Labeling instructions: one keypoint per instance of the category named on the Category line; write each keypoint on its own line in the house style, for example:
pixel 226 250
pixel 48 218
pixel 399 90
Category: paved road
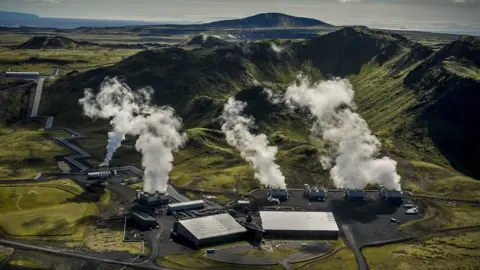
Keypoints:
pixel 38 97
pixel 361 262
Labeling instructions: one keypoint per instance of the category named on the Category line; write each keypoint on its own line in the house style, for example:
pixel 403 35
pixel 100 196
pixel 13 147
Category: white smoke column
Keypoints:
pixel 132 113
pixel 253 148
pixel 271 96
pixel 276 48
pixel 355 147
pixel 159 137
pixel 116 101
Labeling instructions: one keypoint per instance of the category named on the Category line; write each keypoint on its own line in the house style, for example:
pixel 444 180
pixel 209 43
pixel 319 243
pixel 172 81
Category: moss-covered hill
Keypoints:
pixel 50 42
pixel 416 101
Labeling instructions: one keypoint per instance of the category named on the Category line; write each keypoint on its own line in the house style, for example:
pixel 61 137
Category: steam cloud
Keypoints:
pixel 276 48
pixel 132 113
pixel 351 148
pixel 253 148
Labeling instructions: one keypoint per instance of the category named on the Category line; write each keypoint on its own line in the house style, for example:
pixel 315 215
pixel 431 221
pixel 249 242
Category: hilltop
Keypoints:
pixel 412 97
pixel 267 20
pixel 50 42
pixel 206 41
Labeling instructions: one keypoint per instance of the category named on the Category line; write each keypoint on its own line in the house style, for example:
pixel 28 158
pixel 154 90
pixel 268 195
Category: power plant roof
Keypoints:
pixel 212 226
pixel 298 221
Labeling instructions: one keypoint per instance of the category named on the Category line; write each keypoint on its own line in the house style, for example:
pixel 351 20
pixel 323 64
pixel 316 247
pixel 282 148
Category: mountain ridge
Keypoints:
pixel 197 82
pixel 271 19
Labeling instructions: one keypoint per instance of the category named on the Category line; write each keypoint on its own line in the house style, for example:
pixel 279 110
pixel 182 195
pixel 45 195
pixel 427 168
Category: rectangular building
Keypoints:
pixel 144 220
pixel 310 225
pixel 185 206
pixel 211 230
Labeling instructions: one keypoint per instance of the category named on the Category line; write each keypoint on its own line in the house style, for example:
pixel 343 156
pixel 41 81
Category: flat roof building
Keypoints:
pixel 185 206
pixel 144 220
pixel 299 224
pixel 210 230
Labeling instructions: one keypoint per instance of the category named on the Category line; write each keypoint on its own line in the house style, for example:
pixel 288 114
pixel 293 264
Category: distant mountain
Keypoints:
pixel 5 15
pixel 268 20
pixel 44 42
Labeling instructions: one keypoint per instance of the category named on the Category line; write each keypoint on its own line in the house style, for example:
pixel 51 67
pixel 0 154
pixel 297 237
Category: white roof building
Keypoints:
pixel 299 224
pixel 211 229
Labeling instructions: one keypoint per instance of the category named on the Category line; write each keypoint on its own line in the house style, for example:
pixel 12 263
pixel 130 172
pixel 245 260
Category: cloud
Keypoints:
pixel 348 1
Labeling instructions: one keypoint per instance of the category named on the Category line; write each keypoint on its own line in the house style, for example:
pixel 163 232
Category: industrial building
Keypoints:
pixel 102 174
pixel 144 220
pixel 210 230
pixel 185 206
pixel 314 193
pixel 152 200
pixel 355 195
pixel 391 196
pixel 280 194
pixel 309 225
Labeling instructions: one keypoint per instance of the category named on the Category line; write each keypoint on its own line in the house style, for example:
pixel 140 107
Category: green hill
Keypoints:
pixel 416 101
pixel 49 42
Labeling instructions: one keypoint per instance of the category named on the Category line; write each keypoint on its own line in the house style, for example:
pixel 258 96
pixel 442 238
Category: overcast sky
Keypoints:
pixel 374 13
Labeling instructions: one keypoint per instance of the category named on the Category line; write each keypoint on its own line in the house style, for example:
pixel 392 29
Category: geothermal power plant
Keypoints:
pixel 273 211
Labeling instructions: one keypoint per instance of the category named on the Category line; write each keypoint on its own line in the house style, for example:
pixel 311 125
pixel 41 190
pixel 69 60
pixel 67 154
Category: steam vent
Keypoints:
pixel 355 195
pixel 391 196
pixel 314 193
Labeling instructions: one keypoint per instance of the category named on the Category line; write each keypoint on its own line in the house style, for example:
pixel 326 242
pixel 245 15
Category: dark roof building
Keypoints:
pixel 355 195
pixel 144 220
pixel 152 199
pixel 280 194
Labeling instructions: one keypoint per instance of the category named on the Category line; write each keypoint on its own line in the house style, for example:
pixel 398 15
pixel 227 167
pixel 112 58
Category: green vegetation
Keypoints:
pixel 34 260
pixel 27 152
pixel 440 215
pixel 5 252
pixel 197 261
pixel 44 61
pixel 102 239
pixel 455 251
pixel 340 258
pixel 64 222
pixel 277 253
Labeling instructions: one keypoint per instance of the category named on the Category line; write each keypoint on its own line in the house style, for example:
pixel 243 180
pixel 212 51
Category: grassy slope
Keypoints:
pixel 27 152
pixel 196 261
pixel 459 251
pixel 341 258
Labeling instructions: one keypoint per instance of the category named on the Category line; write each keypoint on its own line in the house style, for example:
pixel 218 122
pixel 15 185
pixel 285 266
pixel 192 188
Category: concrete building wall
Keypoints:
pixel 301 234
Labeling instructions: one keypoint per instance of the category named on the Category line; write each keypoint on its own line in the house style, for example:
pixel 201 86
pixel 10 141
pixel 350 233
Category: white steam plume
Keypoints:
pixel 271 96
pixel 276 48
pixel 253 148
pixel 132 113
pixel 354 146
